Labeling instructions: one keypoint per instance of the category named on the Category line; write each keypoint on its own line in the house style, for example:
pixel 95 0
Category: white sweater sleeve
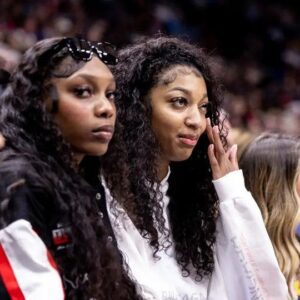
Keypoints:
pixel 244 251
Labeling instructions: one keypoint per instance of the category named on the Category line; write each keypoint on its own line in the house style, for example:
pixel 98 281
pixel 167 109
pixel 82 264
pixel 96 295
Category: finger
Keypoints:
pixel 213 160
pixel 233 157
pixel 217 141
pixel 209 130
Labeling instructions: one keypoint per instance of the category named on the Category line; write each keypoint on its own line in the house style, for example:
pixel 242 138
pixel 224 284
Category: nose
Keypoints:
pixel 104 108
pixel 194 118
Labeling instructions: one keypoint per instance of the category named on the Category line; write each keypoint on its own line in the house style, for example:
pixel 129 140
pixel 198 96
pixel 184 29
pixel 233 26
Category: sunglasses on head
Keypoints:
pixel 83 50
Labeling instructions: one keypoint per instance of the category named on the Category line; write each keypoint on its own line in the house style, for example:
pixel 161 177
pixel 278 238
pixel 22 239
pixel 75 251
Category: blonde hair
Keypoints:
pixel 271 166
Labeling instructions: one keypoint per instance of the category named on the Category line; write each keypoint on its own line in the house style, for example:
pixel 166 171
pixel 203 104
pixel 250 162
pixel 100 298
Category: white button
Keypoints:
pixel 98 196
pixel 109 238
pixel 100 214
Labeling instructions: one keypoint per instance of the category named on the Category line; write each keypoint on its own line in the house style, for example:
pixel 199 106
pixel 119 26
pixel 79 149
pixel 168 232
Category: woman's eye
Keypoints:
pixel 179 102
pixel 111 96
pixel 205 108
pixel 83 92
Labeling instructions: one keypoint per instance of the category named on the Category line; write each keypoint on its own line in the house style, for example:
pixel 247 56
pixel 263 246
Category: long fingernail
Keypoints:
pixel 208 121
pixel 234 147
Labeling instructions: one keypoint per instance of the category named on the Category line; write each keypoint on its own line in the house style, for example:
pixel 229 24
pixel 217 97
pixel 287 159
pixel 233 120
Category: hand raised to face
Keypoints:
pixel 2 142
pixel 222 162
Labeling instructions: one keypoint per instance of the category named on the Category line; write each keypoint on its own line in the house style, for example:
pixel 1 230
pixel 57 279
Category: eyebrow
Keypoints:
pixel 187 92
pixel 90 77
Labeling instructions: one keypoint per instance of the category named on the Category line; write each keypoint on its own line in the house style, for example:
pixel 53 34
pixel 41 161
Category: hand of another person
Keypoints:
pixel 2 142
pixel 222 162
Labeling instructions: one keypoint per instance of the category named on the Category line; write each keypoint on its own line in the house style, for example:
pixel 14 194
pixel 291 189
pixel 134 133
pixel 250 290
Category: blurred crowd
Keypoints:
pixel 256 44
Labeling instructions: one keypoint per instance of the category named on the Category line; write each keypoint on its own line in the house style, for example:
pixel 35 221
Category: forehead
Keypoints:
pixel 186 79
pixel 95 67
pixel 69 68
pixel 168 76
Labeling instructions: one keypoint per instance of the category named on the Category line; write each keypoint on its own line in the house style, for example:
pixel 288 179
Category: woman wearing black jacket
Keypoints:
pixel 57 116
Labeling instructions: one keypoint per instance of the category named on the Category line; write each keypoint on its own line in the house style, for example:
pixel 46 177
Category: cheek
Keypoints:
pixel 72 116
pixel 114 117
pixel 164 127
pixel 75 110
pixel 72 122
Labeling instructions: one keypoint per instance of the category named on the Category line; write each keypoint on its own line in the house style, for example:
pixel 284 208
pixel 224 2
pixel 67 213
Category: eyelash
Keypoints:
pixel 80 92
pixel 109 94
pixel 181 102
pixel 205 108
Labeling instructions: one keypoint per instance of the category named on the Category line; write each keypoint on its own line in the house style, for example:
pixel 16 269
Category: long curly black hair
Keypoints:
pixel 193 206
pixel 36 151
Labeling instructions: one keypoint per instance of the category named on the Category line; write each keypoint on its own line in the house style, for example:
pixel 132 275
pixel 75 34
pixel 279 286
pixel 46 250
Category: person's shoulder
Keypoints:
pixel 12 166
pixel 21 194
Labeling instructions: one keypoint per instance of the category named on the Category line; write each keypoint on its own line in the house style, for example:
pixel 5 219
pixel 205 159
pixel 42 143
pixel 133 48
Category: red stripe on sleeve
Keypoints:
pixel 54 266
pixel 51 260
pixel 9 278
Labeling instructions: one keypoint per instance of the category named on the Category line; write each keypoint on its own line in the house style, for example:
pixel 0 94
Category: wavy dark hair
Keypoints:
pixel 37 152
pixel 193 207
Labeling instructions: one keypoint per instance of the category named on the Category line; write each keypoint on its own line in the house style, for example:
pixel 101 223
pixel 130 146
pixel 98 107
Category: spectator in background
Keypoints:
pixel 271 165
pixel 261 71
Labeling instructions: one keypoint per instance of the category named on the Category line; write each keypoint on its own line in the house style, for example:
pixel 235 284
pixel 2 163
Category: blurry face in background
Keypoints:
pixel 179 105
pixel 298 185
pixel 86 110
pixel 298 195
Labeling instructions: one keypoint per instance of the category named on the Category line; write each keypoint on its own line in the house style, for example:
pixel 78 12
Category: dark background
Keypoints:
pixel 256 44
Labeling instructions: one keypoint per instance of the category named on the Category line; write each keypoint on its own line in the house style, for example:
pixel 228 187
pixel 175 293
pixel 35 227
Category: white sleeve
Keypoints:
pixel 243 249
pixel 27 268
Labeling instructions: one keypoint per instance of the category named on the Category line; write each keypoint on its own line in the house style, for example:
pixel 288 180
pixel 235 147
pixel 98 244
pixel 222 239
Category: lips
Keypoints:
pixel 103 133
pixel 188 139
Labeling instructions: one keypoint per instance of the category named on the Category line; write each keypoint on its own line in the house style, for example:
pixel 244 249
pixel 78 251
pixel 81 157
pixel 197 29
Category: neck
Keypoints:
pixel 78 157
pixel 163 167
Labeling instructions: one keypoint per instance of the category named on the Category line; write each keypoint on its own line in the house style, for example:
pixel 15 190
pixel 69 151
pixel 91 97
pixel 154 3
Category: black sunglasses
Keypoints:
pixel 83 50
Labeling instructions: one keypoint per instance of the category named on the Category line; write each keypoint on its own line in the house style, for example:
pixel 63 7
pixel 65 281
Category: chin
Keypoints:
pixel 97 152
pixel 182 156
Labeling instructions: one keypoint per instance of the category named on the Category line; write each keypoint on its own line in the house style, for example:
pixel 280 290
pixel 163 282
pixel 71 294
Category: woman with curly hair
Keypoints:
pixel 271 165
pixel 190 229
pixel 57 116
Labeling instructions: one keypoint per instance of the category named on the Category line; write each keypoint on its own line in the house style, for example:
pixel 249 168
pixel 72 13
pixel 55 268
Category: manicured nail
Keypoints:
pixel 208 121
pixel 234 147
